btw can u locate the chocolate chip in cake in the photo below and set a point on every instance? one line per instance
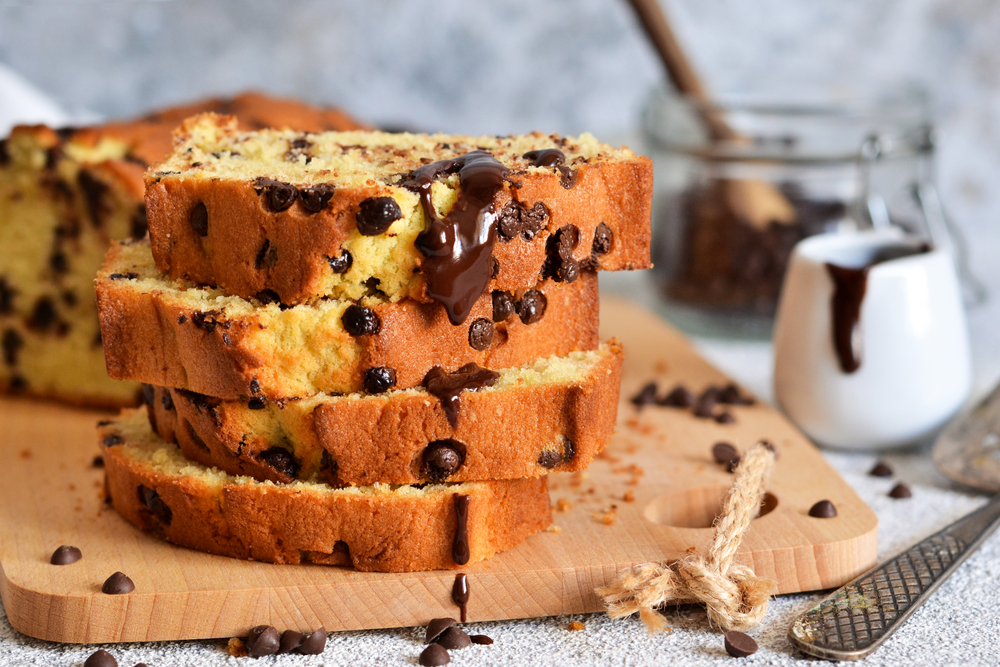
(59, 262)
(182, 318)
(199, 219)
(263, 640)
(724, 452)
(314, 644)
(559, 263)
(679, 397)
(167, 400)
(17, 384)
(254, 386)
(315, 197)
(95, 192)
(434, 656)
(361, 321)
(436, 627)
(12, 342)
(4, 153)
(901, 490)
(379, 379)
(503, 305)
(881, 469)
(281, 460)
(112, 440)
(151, 499)
(267, 256)
(69, 298)
(131, 275)
(823, 509)
(341, 263)
(550, 458)
(531, 307)
(481, 639)
(43, 315)
(290, 640)
(117, 584)
(645, 396)
(65, 555)
(376, 214)
(7, 294)
(494, 267)
(480, 334)
(441, 459)
(100, 658)
(567, 176)
(195, 438)
(97, 462)
(148, 394)
(139, 222)
(603, 240)
(740, 644)
(278, 196)
(453, 638)
(257, 403)
(516, 219)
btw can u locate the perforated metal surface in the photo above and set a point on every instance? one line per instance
(853, 621)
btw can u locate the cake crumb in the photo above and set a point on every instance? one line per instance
(563, 505)
(608, 518)
(237, 648)
(607, 456)
(25, 453)
(629, 496)
(553, 529)
(575, 625)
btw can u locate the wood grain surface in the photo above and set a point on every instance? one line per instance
(651, 496)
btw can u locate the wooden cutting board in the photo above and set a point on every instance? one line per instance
(651, 496)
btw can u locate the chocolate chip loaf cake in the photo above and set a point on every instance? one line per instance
(176, 335)
(381, 527)
(551, 415)
(64, 195)
(292, 216)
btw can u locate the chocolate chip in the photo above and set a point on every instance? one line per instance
(315, 197)
(65, 555)
(130, 275)
(94, 192)
(545, 157)
(97, 462)
(267, 256)
(824, 509)
(549, 458)
(900, 491)
(277, 195)
(182, 318)
(379, 379)
(503, 305)
(481, 639)
(434, 656)
(436, 627)
(515, 218)
(100, 658)
(646, 395)
(267, 296)
(59, 262)
(453, 638)
(199, 219)
(112, 440)
(314, 644)
(559, 263)
(43, 315)
(494, 267)
(603, 240)
(148, 394)
(376, 215)
(11, 343)
(723, 452)
(139, 222)
(704, 406)
(361, 321)
(341, 263)
(4, 153)
(567, 177)
(167, 400)
(290, 640)
(531, 307)
(740, 644)
(732, 465)
(151, 499)
(480, 334)
(725, 418)
(729, 395)
(17, 384)
(254, 386)
(7, 294)
(117, 584)
(195, 438)
(263, 640)
(881, 469)
(281, 460)
(257, 403)
(441, 459)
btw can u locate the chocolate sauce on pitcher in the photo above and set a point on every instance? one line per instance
(447, 386)
(850, 285)
(459, 247)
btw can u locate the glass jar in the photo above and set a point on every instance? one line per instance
(726, 213)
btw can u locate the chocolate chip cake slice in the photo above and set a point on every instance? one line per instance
(551, 415)
(64, 195)
(296, 215)
(174, 334)
(380, 527)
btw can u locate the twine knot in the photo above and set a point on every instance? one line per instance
(734, 597)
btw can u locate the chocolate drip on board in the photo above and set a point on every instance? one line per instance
(447, 386)
(460, 594)
(460, 546)
(459, 247)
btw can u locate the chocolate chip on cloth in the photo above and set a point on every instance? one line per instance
(65, 555)
(901, 490)
(434, 656)
(100, 658)
(881, 469)
(436, 627)
(453, 638)
(740, 644)
(481, 639)
(290, 640)
(117, 584)
(263, 640)
(314, 644)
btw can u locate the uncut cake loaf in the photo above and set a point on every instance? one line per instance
(64, 195)
(363, 348)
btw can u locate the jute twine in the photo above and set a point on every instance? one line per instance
(734, 597)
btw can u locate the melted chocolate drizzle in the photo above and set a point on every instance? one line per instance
(546, 157)
(460, 547)
(460, 594)
(458, 248)
(447, 386)
(850, 285)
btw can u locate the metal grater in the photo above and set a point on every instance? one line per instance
(858, 617)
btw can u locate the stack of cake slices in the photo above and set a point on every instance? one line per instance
(363, 348)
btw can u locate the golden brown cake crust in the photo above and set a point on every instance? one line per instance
(377, 530)
(359, 440)
(615, 193)
(153, 337)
